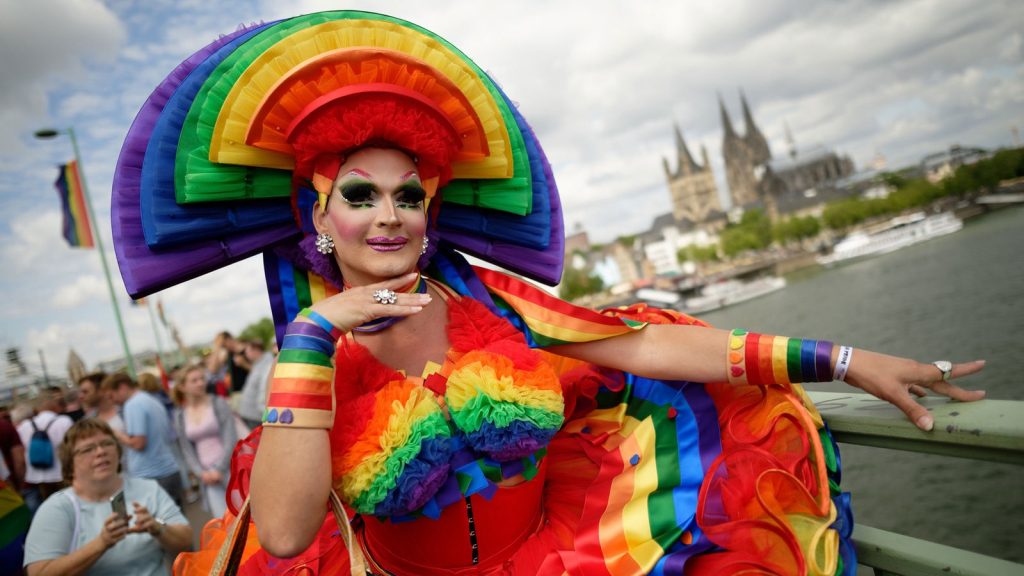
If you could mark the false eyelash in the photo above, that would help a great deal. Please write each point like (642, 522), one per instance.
(358, 193)
(411, 195)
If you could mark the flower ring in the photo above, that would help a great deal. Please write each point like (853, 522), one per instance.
(385, 296)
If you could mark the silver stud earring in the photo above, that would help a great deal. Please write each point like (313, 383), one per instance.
(324, 243)
(426, 242)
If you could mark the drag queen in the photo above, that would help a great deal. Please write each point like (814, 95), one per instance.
(427, 416)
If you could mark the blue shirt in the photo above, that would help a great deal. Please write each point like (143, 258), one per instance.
(144, 415)
(53, 533)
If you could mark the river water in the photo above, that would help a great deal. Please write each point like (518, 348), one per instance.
(958, 297)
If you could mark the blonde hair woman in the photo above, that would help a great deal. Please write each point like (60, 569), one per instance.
(206, 435)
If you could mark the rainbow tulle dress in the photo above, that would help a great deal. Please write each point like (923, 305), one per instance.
(602, 473)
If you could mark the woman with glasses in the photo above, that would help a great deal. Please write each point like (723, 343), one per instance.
(77, 530)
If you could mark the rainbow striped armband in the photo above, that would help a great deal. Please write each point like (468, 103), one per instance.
(767, 360)
(302, 389)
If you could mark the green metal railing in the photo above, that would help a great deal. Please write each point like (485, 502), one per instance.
(987, 430)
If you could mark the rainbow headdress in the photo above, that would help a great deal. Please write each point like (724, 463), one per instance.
(212, 169)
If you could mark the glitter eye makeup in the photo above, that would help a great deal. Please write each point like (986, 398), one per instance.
(410, 196)
(359, 193)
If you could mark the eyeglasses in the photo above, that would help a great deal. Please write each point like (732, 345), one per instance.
(88, 450)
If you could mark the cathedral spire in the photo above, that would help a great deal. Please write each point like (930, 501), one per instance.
(790, 142)
(726, 123)
(760, 153)
(682, 152)
(748, 118)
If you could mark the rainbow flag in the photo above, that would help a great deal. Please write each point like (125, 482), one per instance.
(77, 229)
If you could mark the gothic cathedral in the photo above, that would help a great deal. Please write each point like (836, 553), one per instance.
(692, 185)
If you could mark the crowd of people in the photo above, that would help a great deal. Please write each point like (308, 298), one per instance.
(95, 477)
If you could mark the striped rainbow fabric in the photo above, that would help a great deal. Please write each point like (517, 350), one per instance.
(14, 521)
(77, 229)
(720, 478)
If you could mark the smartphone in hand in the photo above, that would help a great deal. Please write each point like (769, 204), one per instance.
(117, 503)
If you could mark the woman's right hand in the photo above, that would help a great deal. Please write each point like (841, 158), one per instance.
(211, 477)
(115, 528)
(356, 306)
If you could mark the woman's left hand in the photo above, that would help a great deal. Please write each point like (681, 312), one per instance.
(144, 521)
(895, 380)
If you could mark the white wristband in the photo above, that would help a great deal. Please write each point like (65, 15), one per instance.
(843, 363)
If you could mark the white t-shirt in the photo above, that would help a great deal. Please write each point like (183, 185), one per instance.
(56, 432)
(50, 535)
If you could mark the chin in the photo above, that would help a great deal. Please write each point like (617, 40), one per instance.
(374, 274)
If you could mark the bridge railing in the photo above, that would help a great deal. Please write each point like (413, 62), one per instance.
(987, 430)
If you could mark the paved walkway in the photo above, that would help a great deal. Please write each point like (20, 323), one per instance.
(197, 517)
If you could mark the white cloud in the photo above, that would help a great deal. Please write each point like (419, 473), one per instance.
(33, 238)
(57, 339)
(44, 43)
(83, 104)
(81, 290)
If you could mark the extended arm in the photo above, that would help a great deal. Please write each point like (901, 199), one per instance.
(699, 354)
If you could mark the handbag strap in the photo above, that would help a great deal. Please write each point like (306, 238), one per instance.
(229, 558)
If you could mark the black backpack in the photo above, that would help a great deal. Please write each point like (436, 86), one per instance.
(40, 448)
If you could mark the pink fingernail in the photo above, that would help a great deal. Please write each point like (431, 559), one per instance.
(925, 422)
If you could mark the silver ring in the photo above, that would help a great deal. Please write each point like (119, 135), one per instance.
(944, 366)
(385, 296)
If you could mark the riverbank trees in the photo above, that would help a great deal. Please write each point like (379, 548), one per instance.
(967, 181)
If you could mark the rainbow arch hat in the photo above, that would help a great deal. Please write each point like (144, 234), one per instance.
(212, 172)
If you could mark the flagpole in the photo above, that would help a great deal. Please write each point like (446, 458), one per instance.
(46, 134)
(156, 333)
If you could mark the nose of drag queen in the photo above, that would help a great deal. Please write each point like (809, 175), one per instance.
(387, 214)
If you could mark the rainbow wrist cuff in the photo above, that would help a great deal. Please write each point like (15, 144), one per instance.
(322, 322)
(766, 360)
(302, 391)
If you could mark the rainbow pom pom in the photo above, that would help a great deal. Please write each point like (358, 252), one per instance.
(504, 410)
(401, 456)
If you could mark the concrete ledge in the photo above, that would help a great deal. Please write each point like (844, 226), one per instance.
(985, 430)
(891, 553)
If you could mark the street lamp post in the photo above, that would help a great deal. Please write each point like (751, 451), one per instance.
(46, 134)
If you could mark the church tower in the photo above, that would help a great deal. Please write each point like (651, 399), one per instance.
(758, 145)
(692, 186)
(745, 156)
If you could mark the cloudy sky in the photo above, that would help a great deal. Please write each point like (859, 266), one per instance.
(601, 82)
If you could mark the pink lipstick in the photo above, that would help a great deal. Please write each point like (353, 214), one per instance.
(385, 244)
